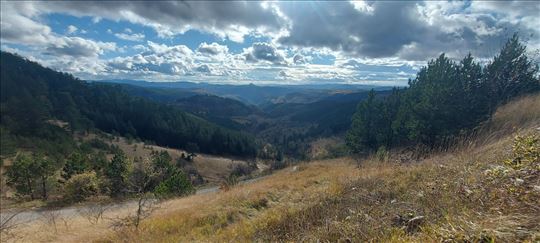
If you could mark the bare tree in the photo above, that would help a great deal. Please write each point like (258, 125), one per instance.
(94, 212)
(51, 217)
(146, 202)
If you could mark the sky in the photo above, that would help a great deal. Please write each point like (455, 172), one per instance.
(271, 43)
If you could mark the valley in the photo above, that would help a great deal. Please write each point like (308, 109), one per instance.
(351, 199)
(129, 129)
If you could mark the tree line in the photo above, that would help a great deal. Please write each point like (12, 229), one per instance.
(446, 99)
(83, 175)
(32, 95)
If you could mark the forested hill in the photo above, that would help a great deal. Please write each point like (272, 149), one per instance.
(445, 100)
(31, 95)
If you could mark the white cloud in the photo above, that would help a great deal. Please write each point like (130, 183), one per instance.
(78, 47)
(212, 49)
(360, 41)
(168, 60)
(18, 27)
(130, 37)
(71, 29)
(232, 20)
(266, 52)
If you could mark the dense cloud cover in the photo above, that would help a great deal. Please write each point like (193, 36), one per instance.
(247, 41)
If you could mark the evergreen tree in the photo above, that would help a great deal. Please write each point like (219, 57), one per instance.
(76, 163)
(22, 175)
(117, 172)
(511, 73)
(178, 184)
(29, 173)
(362, 133)
(45, 170)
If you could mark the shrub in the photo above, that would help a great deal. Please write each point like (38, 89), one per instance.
(278, 164)
(382, 154)
(525, 151)
(81, 186)
(176, 185)
(98, 144)
(239, 170)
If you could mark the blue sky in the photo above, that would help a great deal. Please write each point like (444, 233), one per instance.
(379, 43)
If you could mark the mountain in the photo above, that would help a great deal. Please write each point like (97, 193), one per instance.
(254, 94)
(32, 96)
(290, 121)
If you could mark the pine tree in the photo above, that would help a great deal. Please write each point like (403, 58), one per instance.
(117, 172)
(362, 133)
(511, 73)
(22, 175)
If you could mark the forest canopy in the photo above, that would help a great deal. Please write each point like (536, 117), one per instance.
(32, 95)
(445, 99)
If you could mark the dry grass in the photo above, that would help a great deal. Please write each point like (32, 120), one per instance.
(471, 194)
(519, 114)
(335, 201)
(453, 196)
(454, 193)
(238, 214)
(467, 195)
(212, 168)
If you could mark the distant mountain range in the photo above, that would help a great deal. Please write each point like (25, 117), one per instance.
(289, 117)
(251, 93)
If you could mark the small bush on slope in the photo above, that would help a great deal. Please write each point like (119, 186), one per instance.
(81, 186)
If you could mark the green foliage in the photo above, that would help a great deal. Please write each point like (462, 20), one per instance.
(45, 170)
(525, 151)
(162, 166)
(511, 73)
(445, 99)
(8, 147)
(365, 120)
(117, 173)
(21, 175)
(178, 184)
(81, 186)
(76, 163)
(98, 162)
(161, 162)
(27, 174)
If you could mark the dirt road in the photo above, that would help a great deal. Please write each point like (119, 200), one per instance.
(74, 222)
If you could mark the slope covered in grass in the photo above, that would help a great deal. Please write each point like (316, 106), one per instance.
(486, 189)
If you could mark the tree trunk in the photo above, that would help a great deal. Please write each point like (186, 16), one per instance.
(29, 184)
(44, 187)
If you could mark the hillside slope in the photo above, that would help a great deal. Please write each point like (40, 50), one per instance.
(32, 94)
(475, 193)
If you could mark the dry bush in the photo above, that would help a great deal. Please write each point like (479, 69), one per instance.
(51, 218)
(147, 203)
(8, 223)
(94, 212)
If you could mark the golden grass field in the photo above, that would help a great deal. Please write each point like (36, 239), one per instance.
(474, 193)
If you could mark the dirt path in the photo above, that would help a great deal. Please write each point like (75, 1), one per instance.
(74, 223)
